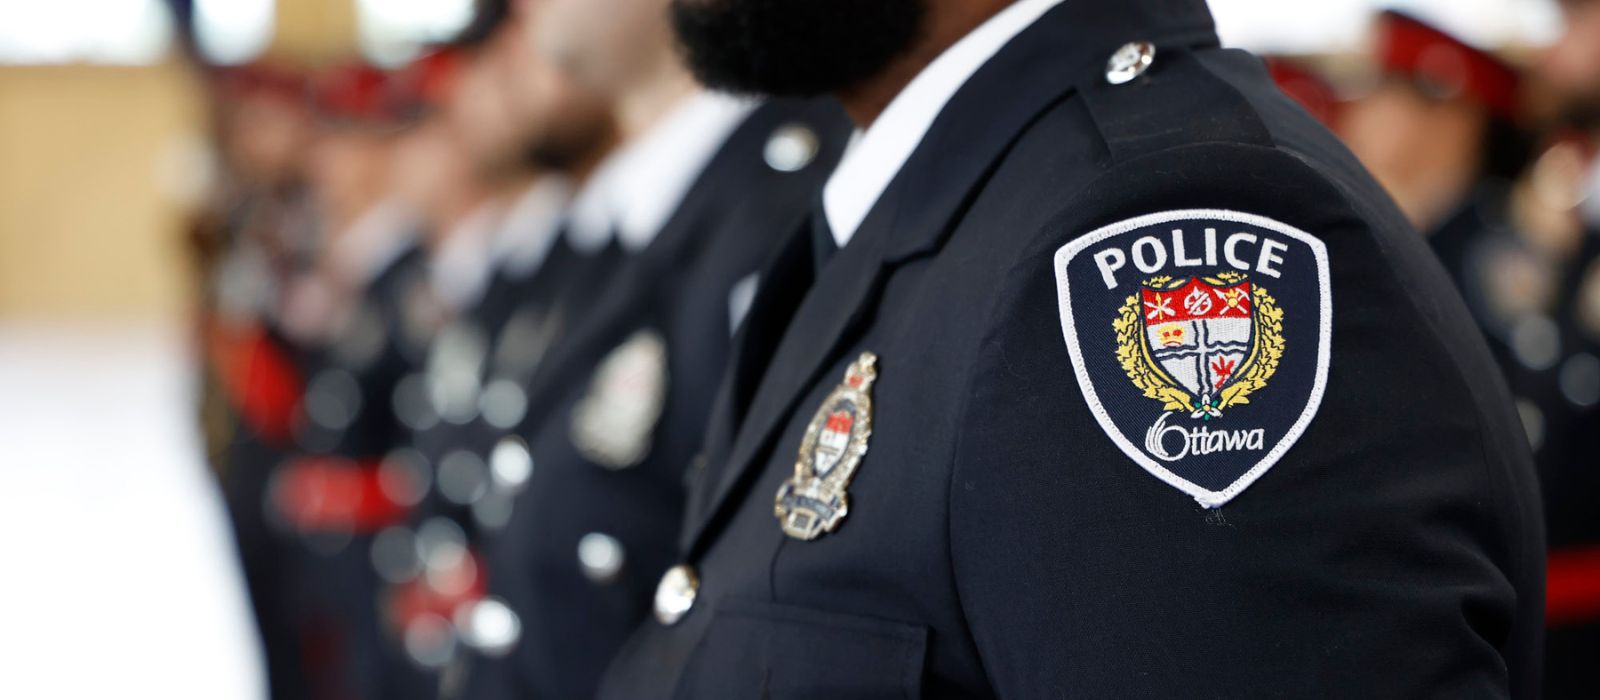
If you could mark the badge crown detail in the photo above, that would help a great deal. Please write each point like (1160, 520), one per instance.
(815, 499)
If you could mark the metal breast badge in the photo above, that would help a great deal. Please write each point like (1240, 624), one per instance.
(814, 501)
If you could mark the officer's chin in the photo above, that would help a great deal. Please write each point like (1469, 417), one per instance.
(793, 48)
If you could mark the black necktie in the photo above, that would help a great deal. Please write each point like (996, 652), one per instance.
(823, 245)
(785, 279)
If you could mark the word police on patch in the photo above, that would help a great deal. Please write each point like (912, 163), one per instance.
(1200, 339)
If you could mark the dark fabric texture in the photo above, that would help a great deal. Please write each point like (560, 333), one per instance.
(675, 291)
(998, 543)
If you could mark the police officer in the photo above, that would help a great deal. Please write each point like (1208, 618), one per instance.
(251, 375)
(1440, 122)
(695, 197)
(533, 136)
(1108, 372)
(1441, 131)
(332, 490)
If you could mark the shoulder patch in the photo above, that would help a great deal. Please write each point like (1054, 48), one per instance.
(1200, 339)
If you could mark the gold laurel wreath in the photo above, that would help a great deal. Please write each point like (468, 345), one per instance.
(1133, 352)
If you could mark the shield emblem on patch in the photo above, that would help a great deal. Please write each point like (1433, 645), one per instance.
(1200, 340)
(1198, 333)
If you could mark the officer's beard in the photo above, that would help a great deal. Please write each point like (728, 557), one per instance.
(795, 48)
(565, 148)
(1583, 113)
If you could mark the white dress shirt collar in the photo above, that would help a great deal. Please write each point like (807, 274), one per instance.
(1590, 208)
(458, 269)
(638, 188)
(530, 225)
(876, 155)
(372, 242)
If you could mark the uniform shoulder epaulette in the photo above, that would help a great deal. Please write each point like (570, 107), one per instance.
(1152, 98)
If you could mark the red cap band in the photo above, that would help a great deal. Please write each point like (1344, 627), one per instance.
(1423, 53)
(1308, 88)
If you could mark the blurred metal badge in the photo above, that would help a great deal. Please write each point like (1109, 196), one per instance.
(455, 369)
(814, 501)
(791, 148)
(523, 342)
(613, 423)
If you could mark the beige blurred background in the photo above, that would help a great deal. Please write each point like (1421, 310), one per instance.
(93, 188)
(99, 165)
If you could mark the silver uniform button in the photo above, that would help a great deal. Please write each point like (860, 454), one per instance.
(791, 148)
(510, 464)
(1580, 380)
(489, 625)
(1130, 61)
(675, 594)
(601, 557)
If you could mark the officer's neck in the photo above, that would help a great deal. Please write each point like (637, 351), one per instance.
(652, 96)
(946, 22)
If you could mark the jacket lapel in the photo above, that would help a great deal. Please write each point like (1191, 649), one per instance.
(926, 199)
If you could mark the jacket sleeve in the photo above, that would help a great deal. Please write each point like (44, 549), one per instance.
(1391, 551)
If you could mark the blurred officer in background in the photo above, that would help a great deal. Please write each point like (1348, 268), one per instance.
(330, 491)
(1440, 131)
(256, 238)
(261, 235)
(1438, 128)
(1571, 375)
(695, 197)
(1088, 376)
(534, 137)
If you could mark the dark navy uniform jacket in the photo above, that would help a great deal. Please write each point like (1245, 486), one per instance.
(618, 408)
(342, 637)
(1570, 480)
(497, 346)
(519, 318)
(1555, 381)
(266, 553)
(1006, 534)
(507, 335)
(313, 591)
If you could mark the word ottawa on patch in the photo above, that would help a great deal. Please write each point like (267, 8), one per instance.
(1201, 341)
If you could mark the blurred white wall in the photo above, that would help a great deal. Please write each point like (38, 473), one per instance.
(118, 578)
(1329, 26)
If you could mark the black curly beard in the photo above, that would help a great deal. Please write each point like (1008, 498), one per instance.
(793, 48)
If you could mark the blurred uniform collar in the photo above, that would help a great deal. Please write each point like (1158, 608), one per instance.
(637, 189)
(376, 239)
(1590, 208)
(458, 270)
(876, 155)
(531, 225)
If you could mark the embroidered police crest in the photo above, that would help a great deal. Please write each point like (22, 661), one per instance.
(814, 501)
(614, 424)
(1200, 340)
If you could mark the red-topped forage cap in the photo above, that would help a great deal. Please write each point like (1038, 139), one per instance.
(1444, 65)
(1307, 87)
(431, 76)
(260, 79)
(362, 94)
